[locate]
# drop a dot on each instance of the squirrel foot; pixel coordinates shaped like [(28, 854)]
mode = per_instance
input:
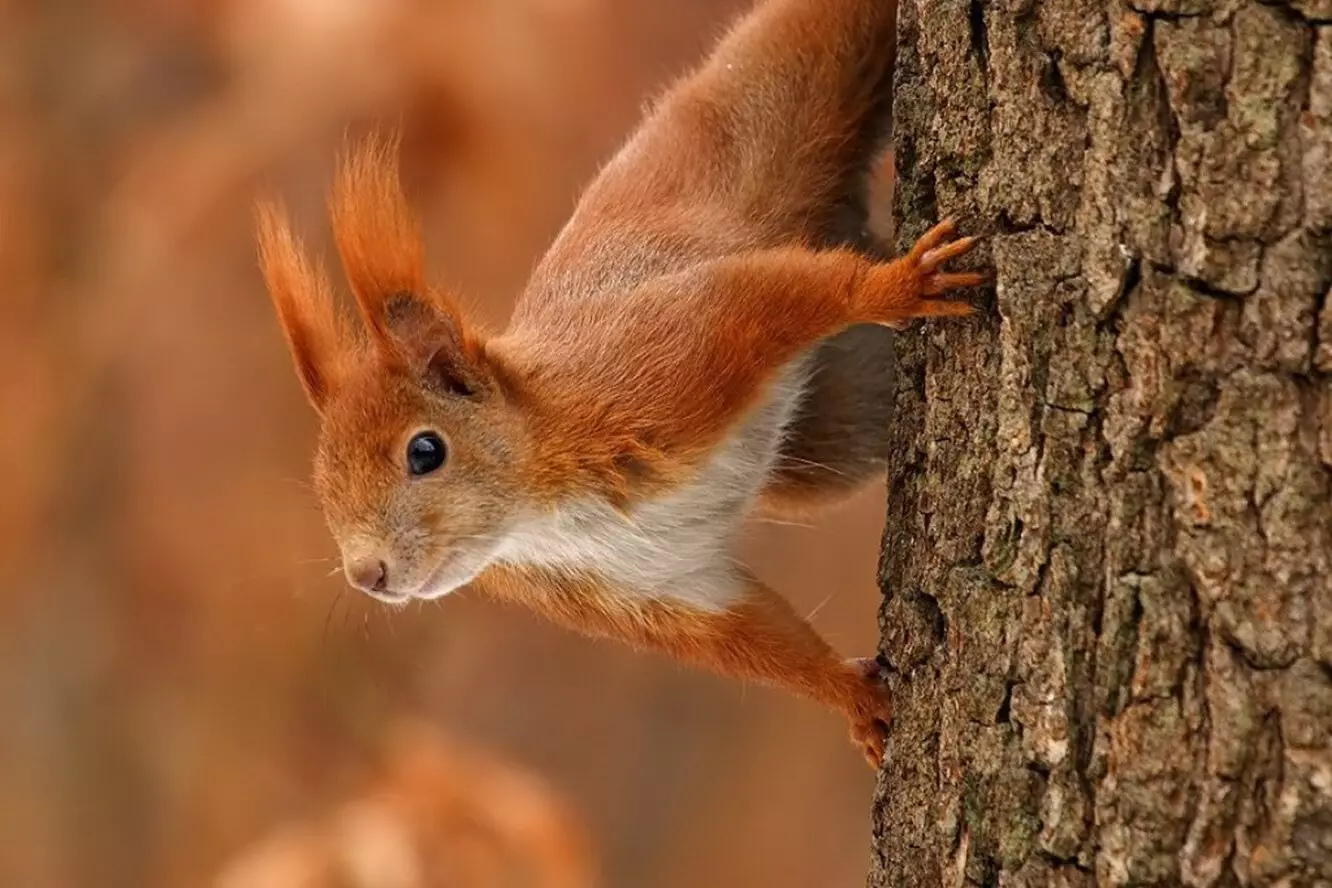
[(907, 286), (872, 714), (936, 247)]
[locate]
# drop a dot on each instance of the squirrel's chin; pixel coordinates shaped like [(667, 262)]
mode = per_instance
[(452, 574)]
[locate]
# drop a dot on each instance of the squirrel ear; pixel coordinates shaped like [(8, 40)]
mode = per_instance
[(301, 294), (380, 242), (433, 345)]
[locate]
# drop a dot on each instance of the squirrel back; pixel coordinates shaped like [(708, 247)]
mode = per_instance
[(773, 140)]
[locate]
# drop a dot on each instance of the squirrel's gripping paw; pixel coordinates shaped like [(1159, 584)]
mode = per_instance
[(907, 286), (873, 713)]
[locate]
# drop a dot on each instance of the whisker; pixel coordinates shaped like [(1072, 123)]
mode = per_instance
[(346, 615), (761, 519), (812, 614), (328, 617), (788, 460), (736, 562), (475, 538)]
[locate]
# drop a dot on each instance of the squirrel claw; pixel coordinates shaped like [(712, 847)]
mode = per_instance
[(937, 256), (909, 287), (925, 260), (931, 239), (874, 713), (944, 282)]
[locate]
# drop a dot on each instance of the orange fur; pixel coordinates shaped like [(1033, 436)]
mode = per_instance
[(705, 262), (301, 294), (676, 393), (378, 236), (379, 240), (758, 639)]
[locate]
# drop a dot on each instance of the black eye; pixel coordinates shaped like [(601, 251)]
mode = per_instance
[(425, 453)]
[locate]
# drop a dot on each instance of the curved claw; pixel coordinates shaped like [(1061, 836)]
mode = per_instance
[(907, 287), (943, 308), (870, 723), (933, 238), (941, 254), (944, 282)]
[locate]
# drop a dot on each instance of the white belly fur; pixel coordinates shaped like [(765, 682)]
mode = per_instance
[(675, 547)]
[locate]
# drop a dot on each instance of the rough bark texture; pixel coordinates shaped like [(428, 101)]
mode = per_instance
[(1106, 571)]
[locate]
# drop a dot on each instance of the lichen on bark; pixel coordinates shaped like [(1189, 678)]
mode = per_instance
[(1107, 568)]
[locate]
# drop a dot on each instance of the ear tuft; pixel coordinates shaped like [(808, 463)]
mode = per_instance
[(378, 235), (319, 343), (379, 240)]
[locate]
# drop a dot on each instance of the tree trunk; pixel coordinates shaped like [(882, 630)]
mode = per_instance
[(1108, 564)]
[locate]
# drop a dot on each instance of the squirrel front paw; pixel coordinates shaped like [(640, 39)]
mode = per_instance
[(905, 288), (872, 713)]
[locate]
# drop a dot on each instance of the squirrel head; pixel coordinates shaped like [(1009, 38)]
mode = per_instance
[(420, 446)]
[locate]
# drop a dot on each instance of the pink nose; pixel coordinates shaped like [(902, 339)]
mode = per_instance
[(367, 574)]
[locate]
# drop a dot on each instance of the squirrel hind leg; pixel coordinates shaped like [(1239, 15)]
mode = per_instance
[(837, 441), (803, 92)]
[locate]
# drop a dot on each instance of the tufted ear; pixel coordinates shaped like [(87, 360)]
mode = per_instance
[(319, 342), (435, 345), (382, 250)]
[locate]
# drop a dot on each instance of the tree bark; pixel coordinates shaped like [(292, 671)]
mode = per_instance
[(1108, 602)]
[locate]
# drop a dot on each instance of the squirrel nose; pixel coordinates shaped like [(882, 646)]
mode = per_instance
[(367, 574)]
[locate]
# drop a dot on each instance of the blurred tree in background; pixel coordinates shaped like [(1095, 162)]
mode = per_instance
[(181, 674)]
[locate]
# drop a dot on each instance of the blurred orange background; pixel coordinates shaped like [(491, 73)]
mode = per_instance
[(182, 674)]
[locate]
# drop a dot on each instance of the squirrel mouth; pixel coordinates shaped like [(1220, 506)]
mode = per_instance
[(456, 569), (389, 597)]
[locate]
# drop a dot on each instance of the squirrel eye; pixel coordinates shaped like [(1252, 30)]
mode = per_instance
[(425, 453)]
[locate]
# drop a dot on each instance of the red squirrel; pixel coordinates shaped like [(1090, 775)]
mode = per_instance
[(697, 342)]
